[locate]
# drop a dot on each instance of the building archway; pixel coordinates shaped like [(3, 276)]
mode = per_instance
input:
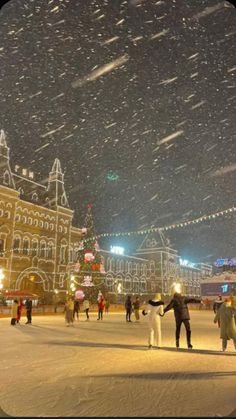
[(33, 280)]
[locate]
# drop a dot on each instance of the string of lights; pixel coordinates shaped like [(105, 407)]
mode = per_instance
[(194, 221), (198, 220)]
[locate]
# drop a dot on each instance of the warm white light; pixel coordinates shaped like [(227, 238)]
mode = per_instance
[(117, 250), (1, 274), (119, 288), (1, 286), (177, 287), (72, 278), (56, 291)]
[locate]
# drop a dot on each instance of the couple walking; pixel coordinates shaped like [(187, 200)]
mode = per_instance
[(155, 310)]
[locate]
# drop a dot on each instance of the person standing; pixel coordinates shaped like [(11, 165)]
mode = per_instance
[(19, 310), (14, 308), (136, 307), (86, 308), (76, 309), (107, 305), (101, 306), (154, 310), (179, 304), (128, 307), (216, 306), (28, 306), (226, 315), (69, 308)]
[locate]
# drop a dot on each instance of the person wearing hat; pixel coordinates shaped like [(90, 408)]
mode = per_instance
[(154, 309)]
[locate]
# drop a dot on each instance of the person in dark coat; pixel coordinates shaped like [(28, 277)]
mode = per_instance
[(28, 306), (76, 309), (179, 304), (128, 307)]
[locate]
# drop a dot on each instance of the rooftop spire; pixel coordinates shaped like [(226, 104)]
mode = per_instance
[(3, 138)]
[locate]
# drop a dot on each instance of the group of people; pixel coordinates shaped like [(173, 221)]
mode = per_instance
[(132, 306), (225, 316), (73, 307), (16, 311)]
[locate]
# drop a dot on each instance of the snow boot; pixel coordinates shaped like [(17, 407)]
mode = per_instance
[(189, 339)]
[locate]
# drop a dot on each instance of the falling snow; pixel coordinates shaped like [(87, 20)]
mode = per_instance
[(141, 88)]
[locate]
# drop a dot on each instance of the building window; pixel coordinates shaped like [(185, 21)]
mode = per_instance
[(50, 251), (42, 249), (6, 178), (63, 254), (2, 246), (34, 197), (34, 248), (16, 245), (25, 247)]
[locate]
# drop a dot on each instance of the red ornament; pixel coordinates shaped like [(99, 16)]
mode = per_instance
[(89, 206)]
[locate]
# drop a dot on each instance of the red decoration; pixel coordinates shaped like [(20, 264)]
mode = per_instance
[(89, 206)]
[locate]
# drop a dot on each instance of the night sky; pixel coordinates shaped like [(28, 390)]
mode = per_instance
[(137, 100)]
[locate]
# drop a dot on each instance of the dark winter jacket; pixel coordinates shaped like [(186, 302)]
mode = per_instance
[(217, 304), (28, 305), (179, 304), (128, 304)]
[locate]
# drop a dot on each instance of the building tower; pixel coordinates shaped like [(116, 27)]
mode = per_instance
[(6, 178), (56, 194)]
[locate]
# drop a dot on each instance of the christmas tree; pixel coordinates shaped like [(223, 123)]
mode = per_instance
[(89, 268)]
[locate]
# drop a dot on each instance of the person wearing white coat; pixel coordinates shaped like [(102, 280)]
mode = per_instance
[(154, 310)]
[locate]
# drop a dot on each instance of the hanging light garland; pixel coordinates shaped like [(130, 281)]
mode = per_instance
[(171, 226)]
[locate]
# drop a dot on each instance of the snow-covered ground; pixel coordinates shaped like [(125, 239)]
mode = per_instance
[(103, 368)]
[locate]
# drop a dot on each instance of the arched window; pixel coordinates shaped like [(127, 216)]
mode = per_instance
[(41, 224), (25, 246), (50, 250), (34, 248), (35, 197), (6, 178), (63, 200), (63, 254), (16, 245), (17, 218), (42, 249)]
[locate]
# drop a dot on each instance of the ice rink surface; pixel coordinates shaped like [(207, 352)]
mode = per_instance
[(104, 368)]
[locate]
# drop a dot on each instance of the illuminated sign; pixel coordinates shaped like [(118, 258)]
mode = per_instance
[(117, 250), (224, 288), (185, 262), (225, 262)]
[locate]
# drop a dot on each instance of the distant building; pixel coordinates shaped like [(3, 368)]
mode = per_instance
[(39, 244), (154, 267)]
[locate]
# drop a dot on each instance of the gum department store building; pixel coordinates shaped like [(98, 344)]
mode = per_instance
[(39, 244)]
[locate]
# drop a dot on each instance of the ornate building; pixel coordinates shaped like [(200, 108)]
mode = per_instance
[(39, 244), (154, 267)]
